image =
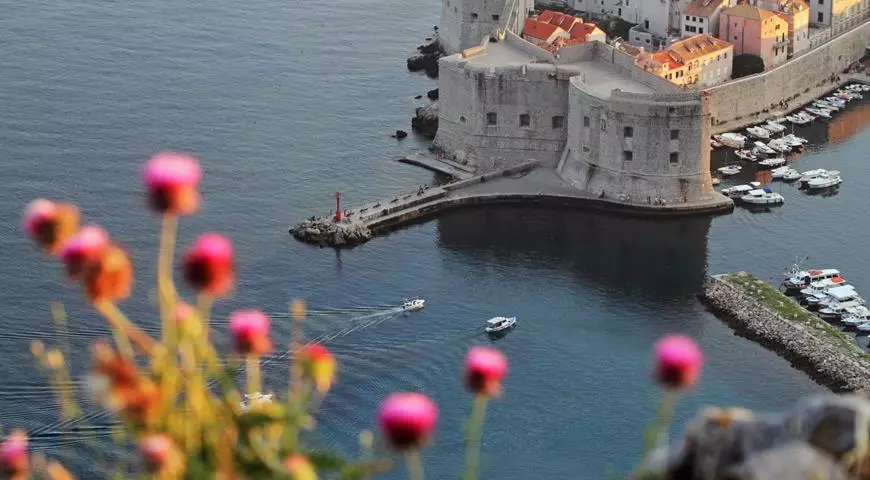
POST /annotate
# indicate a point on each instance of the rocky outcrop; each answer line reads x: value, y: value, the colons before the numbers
x: 828, y: 358
x: 432, y: 94
x: 425, y: 120
x: 326, y: 231
x: 824, y: 437
x: 428, y: 62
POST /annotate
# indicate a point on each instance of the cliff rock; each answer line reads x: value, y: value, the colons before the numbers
x: 425, y: 120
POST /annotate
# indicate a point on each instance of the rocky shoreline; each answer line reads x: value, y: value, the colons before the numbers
x: 819, y: 350
x: 325, y: 231
x: 425, y: 120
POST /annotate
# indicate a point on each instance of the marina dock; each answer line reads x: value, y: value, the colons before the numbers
x: 760, y: 312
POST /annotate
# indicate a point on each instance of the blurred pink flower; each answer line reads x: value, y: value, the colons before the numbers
x: 86, y: 246
x: 172, y: 180
x: 678, y: 361
x: 250, y: 332
x: 484, y: 370
x: 13, y: 454
x: 208, y: 264
x: 50, y: 224
x: 407, y: 419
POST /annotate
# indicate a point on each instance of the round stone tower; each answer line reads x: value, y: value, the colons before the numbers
x: 465, y: 23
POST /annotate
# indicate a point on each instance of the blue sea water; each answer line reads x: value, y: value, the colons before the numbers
x: 288, y: 102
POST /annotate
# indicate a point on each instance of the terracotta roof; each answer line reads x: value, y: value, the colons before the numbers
x: 667, y: 58
x: 581, y: 30
x: 704, y: 8
x: 750, y: 12
x: 539, y: 30
x: 698, y: 46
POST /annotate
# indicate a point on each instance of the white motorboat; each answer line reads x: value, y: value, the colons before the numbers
x: 836, y: 101
x: 729, y: 139
x: 838, y: 294
x: 762, y: 148
x: 762, y: 196
x: 836, y: 310
x: 797, y: 279
x: 774, y: 127
x: 413, y: 305
x: 819, y: 112
x: 791, y: 175
x: 856, y: 316
x: 772, y: 162
x: 254, y: 399
x: 800, y: 118
x: 746, y: 155
x: 500, y: 324
x: 822, y: 286
x: 779, y: 172
x: 758, y: 132
x: 795, y: 140
x: 864, y: 327
x: 729, y: 170
x: 738, y: 191
x: 811, y: 174
x: 780, y: 145
x: 828, y: 179
x: 821, y: 104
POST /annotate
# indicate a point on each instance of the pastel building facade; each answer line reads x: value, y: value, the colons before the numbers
x: 554, y: 30
x: 694, y: 62
x: 834, y: 13
x: 702, y: 17
x: 796, y: 14
x: 755, y: 31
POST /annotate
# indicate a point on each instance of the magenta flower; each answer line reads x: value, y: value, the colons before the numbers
x: 484, y: 369
x: 208, y: 265
x: 678, y: 361
x: 86, y: 246
x: 157, y: 450
x: 13, y: 454
x: 407, y: 419
x: 250, y: 332
x: 172, y: 180
x: 50, y: 224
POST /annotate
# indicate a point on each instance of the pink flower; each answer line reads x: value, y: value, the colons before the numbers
x: 172, y: 180
x: 678, y: 361
x: 407, y: 419
x: 319, y: 365
x: 13, y: 454
x: 50, y: 224
x: 484, y: 369
x: 86, y: 246
x: 208, y: 264
x: 157, y: 451
x: 250, y: 331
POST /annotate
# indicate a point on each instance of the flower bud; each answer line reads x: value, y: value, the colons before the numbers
x: 250, y: 332
x: 50, y: 224
x: 208, y: 264
x: 86, y: 246
x: 299, y: 468
x: 407, y: 419
x: 172, y: 180
x: 319, y: 365
x: 678, y: 361
x: 484, y: 369
x: 110, y: 278
x: 13, y: 454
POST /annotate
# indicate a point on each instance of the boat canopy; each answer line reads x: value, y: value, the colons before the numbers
x: 842, y: 293
x: 756, y: 192
x: 767, y: 190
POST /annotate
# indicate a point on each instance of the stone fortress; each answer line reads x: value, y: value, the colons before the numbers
x: 606, y: 128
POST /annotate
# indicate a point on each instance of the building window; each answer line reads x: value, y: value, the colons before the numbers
x: 647, y: 40
x: 700, y: 29
x: 821, y: 2
x: 821, y: 17
x: 694, y: 19
x: 687, y: 17
x: 675, y: 157
x: 627, y: 156
x: 619, y: 12
x: 687, y: 28
x: 646, y: 24
x: 603, y: 125
x: 585, y: 121
x: 525, y: 121
x: 474, y: 16
x: 672, y: 109
x: 735, y: 26
x: 495, y: 18
x: 491, y: 118
x: 725, y: 55
x: 675, y: 134
x: 627, y: 132
x: 558, y: 121
x: 461, y: 119
x: 700, y: 19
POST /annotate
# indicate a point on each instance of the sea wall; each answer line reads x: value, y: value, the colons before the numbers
x: 811, y: 345
x: 752, y: 99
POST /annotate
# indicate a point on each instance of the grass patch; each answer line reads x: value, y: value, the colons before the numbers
x: 775, y: 300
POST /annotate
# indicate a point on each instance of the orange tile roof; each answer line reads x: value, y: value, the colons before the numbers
x: 698, y: 46
x: 704, y: 8
x: 752, y: 13
x: 580, y: 30
x: 538, y: 30
x: 667, y: 58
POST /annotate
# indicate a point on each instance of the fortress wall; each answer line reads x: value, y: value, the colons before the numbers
x: 746, y: 98
x: 469, y: 92
x: 596, y: 158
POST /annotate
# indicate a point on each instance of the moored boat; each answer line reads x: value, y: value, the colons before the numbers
x: 828, y: 179
x: 772, y: 162
x: 758, y: 132
x: 762, y: 196
x: 730, y: 139
x: 774, y: 127
x: 797, y: 279
x: 836, y: 310
x: 761, y: 148
x: 729, y: 170
x: 791, y: 175
x: 746, y: 155
x: 497, y: 325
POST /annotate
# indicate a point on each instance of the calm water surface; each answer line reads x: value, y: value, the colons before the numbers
x: 287, y: 102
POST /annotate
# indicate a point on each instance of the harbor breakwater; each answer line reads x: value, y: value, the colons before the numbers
x: 761, y: 313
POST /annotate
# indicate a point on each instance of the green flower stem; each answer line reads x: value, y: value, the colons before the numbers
x: 656, y: 433
x: 253, y: 374
x: 165, y: 289
x: 475, y: 425
x: 414, y: 465
x: 203, y: 308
